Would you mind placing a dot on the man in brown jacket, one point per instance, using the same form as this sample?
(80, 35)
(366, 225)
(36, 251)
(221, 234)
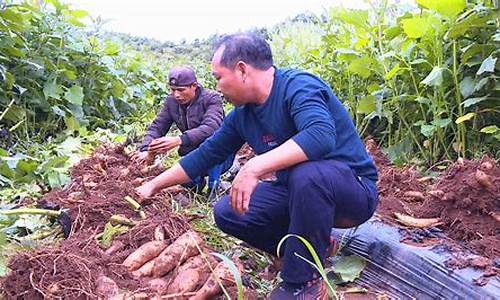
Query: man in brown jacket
(196, 111)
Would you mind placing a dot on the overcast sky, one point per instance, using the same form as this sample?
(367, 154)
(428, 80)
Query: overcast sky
(189, 19)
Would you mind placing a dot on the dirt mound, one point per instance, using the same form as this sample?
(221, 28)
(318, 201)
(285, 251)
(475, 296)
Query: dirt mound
(465, 199)
(72, 268)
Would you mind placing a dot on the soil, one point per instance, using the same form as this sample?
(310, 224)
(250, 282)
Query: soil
(467, 204)
(466, 198)
(70, 269)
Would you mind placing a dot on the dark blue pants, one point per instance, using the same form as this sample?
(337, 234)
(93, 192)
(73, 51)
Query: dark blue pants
(319, 195)
(214, 174)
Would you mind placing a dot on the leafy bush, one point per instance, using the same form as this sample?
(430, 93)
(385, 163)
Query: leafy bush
(423, 81)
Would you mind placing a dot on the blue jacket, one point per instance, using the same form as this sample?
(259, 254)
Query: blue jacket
(301, 107)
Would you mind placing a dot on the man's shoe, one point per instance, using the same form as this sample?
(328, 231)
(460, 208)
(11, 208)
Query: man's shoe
(313, 290)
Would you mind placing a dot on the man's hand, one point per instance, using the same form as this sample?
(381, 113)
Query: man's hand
(145, 191)
(243, 186)
(164, 144)
(141, 157)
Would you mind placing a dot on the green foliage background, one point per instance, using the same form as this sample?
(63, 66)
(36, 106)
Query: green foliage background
(422, 81)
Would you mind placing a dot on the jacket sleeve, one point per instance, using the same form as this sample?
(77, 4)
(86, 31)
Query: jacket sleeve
(214, 150)
(211, 121)
(315, 125)
(160, 126)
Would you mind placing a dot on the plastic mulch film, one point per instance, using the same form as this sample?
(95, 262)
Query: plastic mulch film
(403, 271)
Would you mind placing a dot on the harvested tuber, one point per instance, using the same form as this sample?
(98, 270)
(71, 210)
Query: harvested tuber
(485, 181)
(106, 288)
(212, 287)
(496, 216)
(189, 275)
(425, 179)
(145, 253)
(159, 234)
(159, 285)
(146, 269)
(437, 194)
(414, 195)
(178, 252)
(115, 247)
(415, 222)
(486, 166)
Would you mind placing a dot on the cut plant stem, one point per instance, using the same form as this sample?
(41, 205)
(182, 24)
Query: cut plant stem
(132, 203)
(31, 211)
(117, 219)
(135, 206)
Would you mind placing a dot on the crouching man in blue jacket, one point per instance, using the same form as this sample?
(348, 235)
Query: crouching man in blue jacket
(301, 131)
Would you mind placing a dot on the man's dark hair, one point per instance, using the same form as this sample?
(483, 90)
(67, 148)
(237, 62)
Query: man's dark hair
(247, 47)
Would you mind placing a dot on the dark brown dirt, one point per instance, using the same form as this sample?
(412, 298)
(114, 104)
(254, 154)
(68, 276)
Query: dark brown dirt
(467, 204)
(69, 270)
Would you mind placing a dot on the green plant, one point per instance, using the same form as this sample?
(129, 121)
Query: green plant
(422, 81)
(316, 264)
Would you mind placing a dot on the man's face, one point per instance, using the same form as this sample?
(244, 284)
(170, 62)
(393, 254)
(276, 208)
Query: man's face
(184, 94)
(229, 82)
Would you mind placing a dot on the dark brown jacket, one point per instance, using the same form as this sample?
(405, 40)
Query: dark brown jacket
(197, 121)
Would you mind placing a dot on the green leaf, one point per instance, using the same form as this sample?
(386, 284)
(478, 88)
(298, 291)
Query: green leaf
(74, 95)
(361, 66)
(435, 77)
(467, 86)
(27, 166)
(464, 118)
(472, 101)
(348, 268)
(448, 8)
(52, 90)
(236, 273)
(57, 179)
(488, 65)
(416, 27)
(372, 88)
(356, 17)
(472, 21)
(54, 162)
(79, 13)
(70, 74)
(475, 49)
(111, 48)
(481, 84)
(76, 22)
(109, 231)
(366, 105)
(490, 129)
(418, 61)
(427, 130)
(442, 123)
(72, 123)
(14, 51)
(392, 72)
(69, 146)
(58, 111)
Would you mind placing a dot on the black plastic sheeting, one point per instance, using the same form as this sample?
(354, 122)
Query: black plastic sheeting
(403, 271)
